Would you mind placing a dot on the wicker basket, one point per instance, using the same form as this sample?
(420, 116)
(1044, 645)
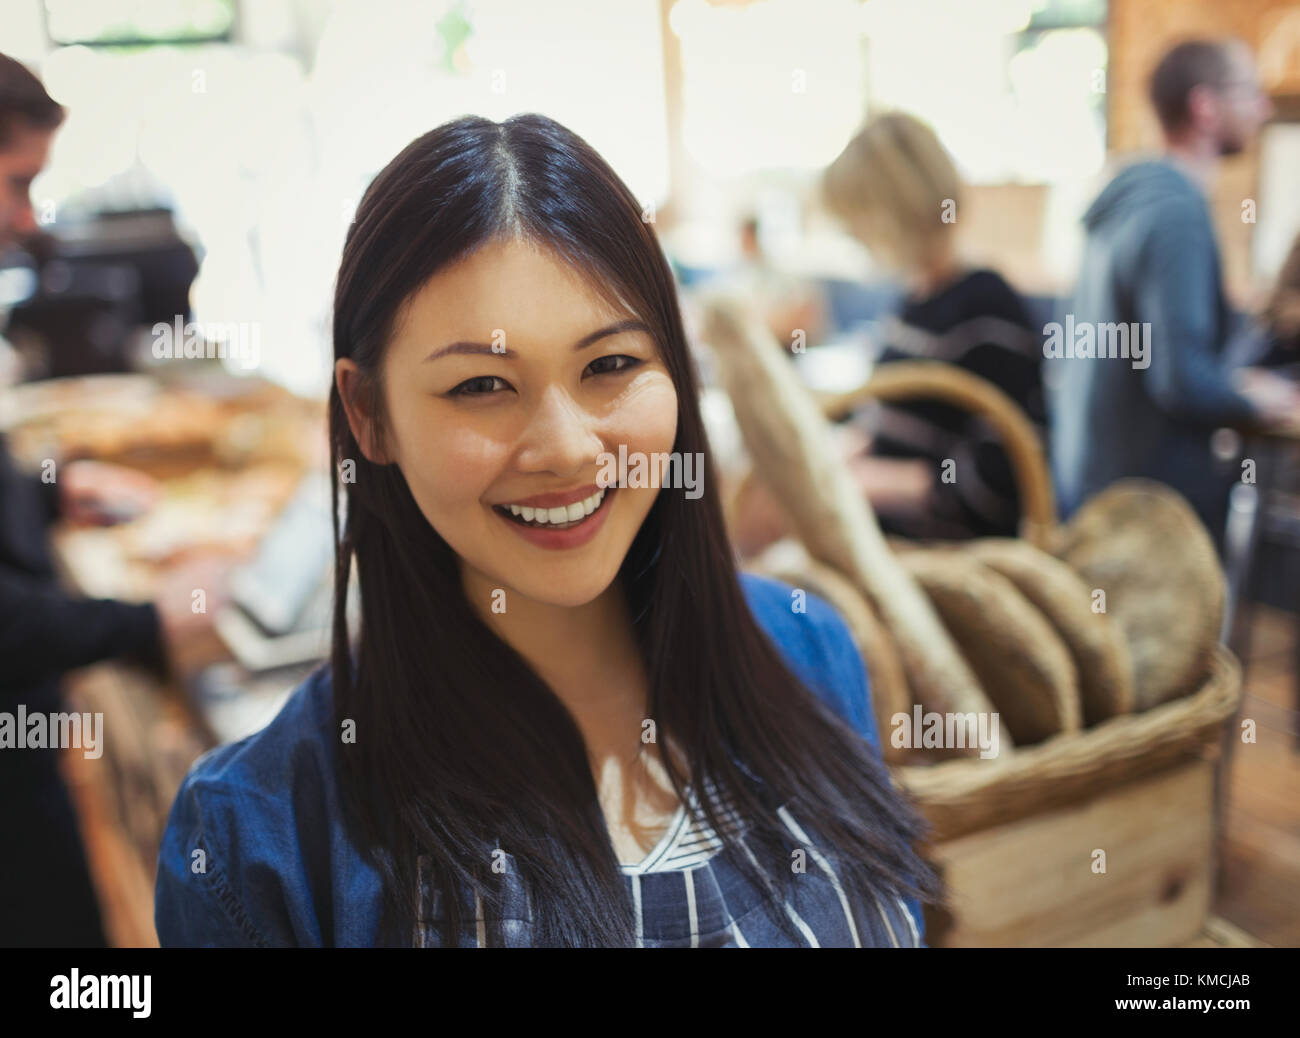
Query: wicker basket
(966, 795)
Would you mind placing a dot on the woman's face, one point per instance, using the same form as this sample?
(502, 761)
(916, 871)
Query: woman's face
(506, 379)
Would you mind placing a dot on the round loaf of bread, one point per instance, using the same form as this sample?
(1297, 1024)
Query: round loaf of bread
(1141, 544)
(1097, 646)
(1021, 662)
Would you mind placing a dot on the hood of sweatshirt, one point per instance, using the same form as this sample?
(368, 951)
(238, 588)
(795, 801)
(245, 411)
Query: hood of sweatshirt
(1136, 188)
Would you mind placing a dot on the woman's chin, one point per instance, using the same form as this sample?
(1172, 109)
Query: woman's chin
(557, 590)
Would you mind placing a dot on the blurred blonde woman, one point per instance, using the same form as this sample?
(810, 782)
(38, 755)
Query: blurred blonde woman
(896, 190)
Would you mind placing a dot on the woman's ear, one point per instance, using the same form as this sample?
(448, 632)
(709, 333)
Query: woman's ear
(349, 380)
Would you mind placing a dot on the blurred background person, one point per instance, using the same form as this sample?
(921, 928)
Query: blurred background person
(930, 470)
(897, 190)
(1151, 259)
(46, 895)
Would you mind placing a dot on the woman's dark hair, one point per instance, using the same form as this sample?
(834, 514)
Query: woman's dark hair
(461, 749)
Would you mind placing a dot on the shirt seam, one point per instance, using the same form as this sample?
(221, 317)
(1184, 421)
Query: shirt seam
(226, 895)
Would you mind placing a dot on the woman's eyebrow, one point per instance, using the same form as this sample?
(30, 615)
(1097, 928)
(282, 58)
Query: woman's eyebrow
(587, 340)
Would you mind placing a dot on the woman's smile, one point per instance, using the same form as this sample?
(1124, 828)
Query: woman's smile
(569, 523)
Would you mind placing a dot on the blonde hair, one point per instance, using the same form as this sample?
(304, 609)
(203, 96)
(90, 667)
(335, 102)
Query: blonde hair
(893, 185)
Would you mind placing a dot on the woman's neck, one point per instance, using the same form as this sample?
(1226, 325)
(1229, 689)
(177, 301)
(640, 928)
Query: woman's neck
(934, 274)
(587, 654)
(589, 657)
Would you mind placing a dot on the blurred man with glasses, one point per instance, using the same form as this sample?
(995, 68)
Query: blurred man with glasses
(1151, 260)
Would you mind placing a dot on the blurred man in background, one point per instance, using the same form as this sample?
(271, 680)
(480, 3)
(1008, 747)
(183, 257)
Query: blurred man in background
(1151, 260)
(46, 896)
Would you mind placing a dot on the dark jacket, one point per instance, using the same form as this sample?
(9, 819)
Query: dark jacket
(47, 898)
(44, 630)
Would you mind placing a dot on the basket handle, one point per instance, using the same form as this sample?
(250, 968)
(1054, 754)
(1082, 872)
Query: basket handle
(908, 380)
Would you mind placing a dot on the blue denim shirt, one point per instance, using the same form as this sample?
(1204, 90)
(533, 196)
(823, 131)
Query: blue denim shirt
(255, 852)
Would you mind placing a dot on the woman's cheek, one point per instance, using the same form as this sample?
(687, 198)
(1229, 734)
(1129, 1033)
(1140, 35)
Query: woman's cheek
(645, 416)
(453, 468)
(468, 460)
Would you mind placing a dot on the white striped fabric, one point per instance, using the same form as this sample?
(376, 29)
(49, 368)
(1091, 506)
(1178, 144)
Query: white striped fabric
(688, 841)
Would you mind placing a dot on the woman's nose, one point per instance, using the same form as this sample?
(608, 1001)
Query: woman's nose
(560, 436)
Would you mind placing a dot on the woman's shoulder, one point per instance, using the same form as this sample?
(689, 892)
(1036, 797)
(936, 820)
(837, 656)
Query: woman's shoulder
(988, 293)
(816, 644)
(296, 737)
(253, 830)
(783, 608)
(977, 307)
(976, 292)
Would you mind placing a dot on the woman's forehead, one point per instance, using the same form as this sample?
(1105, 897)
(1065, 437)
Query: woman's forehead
(511, 286)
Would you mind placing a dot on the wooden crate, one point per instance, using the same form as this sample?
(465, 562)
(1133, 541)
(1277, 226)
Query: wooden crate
(1219, 933)
(1031, 883)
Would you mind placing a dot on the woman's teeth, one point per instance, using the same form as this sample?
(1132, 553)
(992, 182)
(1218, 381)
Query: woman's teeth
(559, 516)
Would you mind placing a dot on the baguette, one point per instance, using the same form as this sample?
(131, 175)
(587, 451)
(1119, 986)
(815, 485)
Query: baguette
(791, 444)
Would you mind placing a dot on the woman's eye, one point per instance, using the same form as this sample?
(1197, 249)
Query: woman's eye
(489, 385)
(483, 385)
(600, 365)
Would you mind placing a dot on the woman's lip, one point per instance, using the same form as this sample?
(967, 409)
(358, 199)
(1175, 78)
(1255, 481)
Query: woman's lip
(557, 499)
(573, 537)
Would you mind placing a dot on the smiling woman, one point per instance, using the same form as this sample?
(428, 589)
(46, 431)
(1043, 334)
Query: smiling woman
(475, 428)
(566, 719)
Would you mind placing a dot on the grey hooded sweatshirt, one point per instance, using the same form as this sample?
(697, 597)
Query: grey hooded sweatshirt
(1150, 263)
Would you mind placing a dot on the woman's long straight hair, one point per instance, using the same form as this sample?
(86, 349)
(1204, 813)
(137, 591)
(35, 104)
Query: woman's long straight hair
(461, 751)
